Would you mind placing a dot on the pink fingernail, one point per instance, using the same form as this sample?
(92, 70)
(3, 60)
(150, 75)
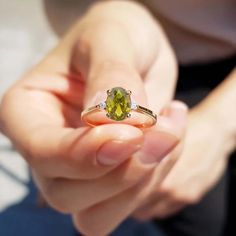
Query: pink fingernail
(178, 113)
(116, 151)
(156, 146)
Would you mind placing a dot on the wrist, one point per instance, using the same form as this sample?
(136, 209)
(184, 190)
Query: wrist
(219, 121)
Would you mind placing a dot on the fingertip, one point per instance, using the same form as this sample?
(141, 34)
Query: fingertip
(178, 114)
(121, 132)
(174, 118)
(177, 104)
(115, 152)
(156, 146)
(122, 141)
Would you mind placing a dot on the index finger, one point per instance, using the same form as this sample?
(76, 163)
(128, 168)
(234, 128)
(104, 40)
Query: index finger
(83, 153)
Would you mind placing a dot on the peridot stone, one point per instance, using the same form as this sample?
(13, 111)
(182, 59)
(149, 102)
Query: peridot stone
(118, 104)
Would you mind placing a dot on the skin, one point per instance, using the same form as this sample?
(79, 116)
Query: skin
(206, 160)
(71, 162)
(119, 162)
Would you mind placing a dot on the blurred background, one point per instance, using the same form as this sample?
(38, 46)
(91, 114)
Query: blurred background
(25, 37)
(28, 30)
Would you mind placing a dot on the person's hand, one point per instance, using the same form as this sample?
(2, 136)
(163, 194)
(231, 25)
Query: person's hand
(99, 175)
(202, 162)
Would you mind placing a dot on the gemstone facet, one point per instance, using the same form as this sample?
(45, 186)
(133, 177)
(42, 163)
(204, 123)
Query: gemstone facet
(118, 104)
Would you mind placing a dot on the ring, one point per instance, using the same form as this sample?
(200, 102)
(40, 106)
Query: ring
(119, 107)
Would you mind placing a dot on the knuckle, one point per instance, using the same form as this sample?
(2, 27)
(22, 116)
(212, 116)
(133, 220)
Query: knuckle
(187, 198)
(5, 105)
(181, 196)
(83, 224)
(169, 191)
(130, 174)
(173, 159)
(194, 198)
(131, 179)
(33, 150)
(55, 199)
(161, 215)
(128, 182)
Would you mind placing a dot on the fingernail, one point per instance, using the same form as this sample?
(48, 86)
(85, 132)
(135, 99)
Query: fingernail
(116, 151)
(156, 146)
(178, 113)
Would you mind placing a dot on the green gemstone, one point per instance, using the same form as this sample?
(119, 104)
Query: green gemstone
(118, 104)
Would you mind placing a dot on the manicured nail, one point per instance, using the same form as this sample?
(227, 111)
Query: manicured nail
(116, 151)
(156, 146)
(178, 114)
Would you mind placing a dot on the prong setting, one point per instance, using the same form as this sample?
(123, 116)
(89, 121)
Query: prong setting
(102, 105)
(128, 115)
(108, 92)
(128, 92)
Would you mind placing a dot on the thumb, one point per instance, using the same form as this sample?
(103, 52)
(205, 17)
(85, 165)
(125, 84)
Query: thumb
(106, 59)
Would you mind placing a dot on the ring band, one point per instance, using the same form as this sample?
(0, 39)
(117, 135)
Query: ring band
(119, 107)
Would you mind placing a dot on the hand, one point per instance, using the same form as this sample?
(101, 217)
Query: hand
(197, 170)
(102, 174)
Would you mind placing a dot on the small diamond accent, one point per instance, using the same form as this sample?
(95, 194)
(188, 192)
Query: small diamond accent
(102, 105)
(133, 105)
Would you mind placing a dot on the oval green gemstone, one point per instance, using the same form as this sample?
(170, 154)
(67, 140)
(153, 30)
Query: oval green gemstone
(118, 104)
